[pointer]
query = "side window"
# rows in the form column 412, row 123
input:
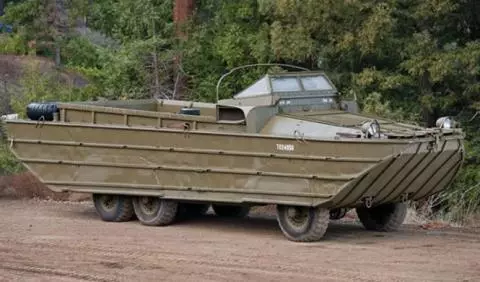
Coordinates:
column 315, row 83
column 285, row 84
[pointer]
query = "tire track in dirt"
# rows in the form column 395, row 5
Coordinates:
column 117, row 259
column 51, row 272
column 68, row 242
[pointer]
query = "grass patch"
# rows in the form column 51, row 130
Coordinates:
column 8, row 162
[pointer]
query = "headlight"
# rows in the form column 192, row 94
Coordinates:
column 371, row 128
column 445, row 122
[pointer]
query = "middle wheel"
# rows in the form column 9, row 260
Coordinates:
column 154, row 210
column 303, row 224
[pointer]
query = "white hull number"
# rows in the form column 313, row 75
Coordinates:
column 286, row 147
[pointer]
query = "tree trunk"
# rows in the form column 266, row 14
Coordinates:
column 183, row 9
column 428, row 111
column 4, row 98
column 60, row 24
column 155, row 63
column 2, row 7
column 57, row 54
column 155, row 73
column 428, row 117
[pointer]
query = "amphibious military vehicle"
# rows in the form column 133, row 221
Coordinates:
column 286, row 140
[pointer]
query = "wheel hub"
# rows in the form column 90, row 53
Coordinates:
column 149, row 205
column 297, row 215
column 108, row 202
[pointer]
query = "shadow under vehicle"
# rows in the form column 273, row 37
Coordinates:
column 286, row 140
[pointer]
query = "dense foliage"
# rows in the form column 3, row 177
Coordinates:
column 8, row 163
column 410, row 60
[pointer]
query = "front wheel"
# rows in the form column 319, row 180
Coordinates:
column 303, row 224
column 385, row 217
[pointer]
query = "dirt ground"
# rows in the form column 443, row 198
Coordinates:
column 66, row 241
column 25, row 185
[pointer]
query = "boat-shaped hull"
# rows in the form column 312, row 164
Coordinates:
column 233, row 167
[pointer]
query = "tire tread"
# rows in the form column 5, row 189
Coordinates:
column 391, row 223
column 124, row 210
column 165, row 216
column 319, row 226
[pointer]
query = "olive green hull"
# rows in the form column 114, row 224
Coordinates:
column 217, row 166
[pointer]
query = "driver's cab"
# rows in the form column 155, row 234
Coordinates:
column 291, row 92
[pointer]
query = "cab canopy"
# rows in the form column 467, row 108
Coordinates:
column 293, row 88
column 288, row 84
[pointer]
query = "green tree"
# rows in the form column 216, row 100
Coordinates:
column 142, row 66
column 222, row 36
column 405, row 59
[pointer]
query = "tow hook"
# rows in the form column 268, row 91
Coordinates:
column 405, row 197
column 368, row 201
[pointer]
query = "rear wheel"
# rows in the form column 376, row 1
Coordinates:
column 116, row 208
column 303, row 224
column 385, row 217
column 155, row 211
column 231, row 210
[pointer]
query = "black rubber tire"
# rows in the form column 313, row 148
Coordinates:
column 191, row 210
column 118, row 209
column 313, row 225
column 162, row 213
column 35, row 111
column 385, row 217
column 231, row 210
